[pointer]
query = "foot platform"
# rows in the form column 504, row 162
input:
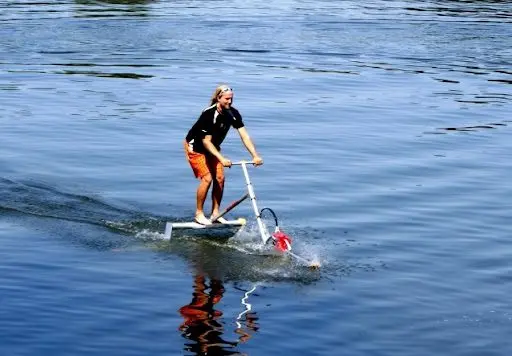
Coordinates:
column 170, row 226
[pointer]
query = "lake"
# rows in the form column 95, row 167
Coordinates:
column 385, row 130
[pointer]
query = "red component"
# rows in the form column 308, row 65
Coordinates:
column 282, row 242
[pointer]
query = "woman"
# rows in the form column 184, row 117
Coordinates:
column 202, row 147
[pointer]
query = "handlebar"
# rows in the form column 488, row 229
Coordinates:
column 239, row 163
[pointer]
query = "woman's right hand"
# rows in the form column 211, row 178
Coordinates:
column 225, row 162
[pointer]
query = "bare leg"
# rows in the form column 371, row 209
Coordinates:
column 217, row 192
column 202, row 192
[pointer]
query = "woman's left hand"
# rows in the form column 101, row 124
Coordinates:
column 257, row 160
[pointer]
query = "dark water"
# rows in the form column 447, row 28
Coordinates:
column 385, row 129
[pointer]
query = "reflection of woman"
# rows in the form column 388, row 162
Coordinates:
column 251, row 326
column 201, row 321
column 247, row 320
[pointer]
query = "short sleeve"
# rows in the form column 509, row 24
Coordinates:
column 205, row 124
column 237, row 121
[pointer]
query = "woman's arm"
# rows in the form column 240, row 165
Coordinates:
column 246, row 139
column 207, row 143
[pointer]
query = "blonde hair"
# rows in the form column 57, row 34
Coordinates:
column 218, row 91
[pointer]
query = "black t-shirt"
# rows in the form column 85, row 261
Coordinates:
column 211, row 122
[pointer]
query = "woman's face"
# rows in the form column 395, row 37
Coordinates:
column 225, row 100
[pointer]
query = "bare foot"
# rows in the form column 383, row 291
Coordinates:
column 201, row 219
column 220, row 220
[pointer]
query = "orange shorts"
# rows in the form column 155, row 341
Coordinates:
column 202, row 164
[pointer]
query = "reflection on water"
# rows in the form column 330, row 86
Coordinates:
column 202, row 320
column 491, row 125
column 247, row 320
column 111, row 8
column 82, row 8
column 106, row 75
column 119, row 2
column 475, row 8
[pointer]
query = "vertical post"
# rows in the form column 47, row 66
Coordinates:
column 263, row 232
column 168, row 231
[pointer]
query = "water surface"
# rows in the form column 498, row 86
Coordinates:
column 384, row 128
